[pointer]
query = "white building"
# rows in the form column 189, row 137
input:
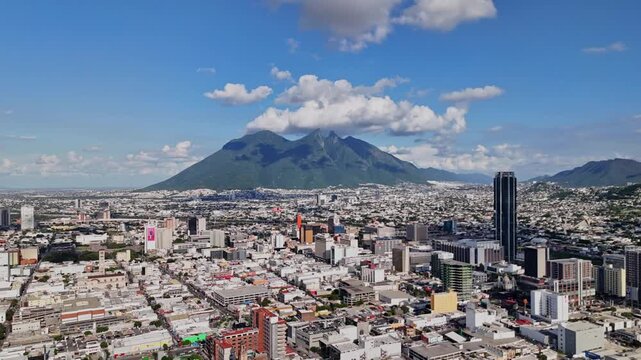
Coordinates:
column 372, row 275
column 476, row 317
column 27, row 220
column 552, row 306
column 577, row 337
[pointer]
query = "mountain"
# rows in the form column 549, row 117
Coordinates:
column 615, row 172
column 443, row 175
column 265, row 159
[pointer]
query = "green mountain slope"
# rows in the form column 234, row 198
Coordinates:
column 615, row 172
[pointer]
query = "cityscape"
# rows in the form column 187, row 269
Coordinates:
column 418, row 180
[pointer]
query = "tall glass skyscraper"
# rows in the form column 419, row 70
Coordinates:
column 505, row 213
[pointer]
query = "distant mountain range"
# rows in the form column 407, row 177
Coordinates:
column 615, row 172
column 265, row 159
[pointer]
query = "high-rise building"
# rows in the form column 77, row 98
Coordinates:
column 572, row 277
column 202, row 225
column 610, row 280
column 416, row 232
column 271, row 333
column 77, row 203
column 401, row 259
column 633, row 273
column 27, row 221
column 192, row 226
column 436, row 262
column 535, row 261
column 505, row 213
column 550, row 305
column 5, row 217
column 475, row 252
column 616, row 260
column 457, row 276
column 449, row 226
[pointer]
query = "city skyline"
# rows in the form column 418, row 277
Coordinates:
column 113, row 95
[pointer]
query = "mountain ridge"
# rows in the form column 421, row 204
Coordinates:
column 268, row 160
column 612, row 172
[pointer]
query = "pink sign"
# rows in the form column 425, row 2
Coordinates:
column 151, row 234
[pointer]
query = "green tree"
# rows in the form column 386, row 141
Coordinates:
column 137, row 324
column 104, row 345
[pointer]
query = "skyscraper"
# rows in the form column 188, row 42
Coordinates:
column 5, row 217
column 633, row 273
column 192, row 226
column 457, row 276
column 505, row 213
column 27, row 221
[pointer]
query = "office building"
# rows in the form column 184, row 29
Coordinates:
column 437, row 259
column 416, row 232
column 192, row 226
column 332, row 222
column 535, row 261
column 5, row 217
column 353, row 292
column 216, row 238
column 401, row 259
column 505, row 205
column 457, row 276
column 610, row 281
column 444, row 302
column 572, row 277
column 27, row 220
column 633, row 273
column 475, row 252
column 574, row 338
column 549, row 305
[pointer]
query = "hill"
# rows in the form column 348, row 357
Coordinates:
column 615, row 172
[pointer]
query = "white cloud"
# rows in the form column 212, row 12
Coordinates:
column 74, row 158
column 280, row 74
column 93, row 148
column 353, row 25
column 445, row 15
column 292, row 45
column 181, row 150
column 6, row 167
column 8, row 112
column 614, row 47
column 338, row 105
column 206, row 70
column 21, row 137
column 496, row 128
column 473, row 94
column 482, row 158
column 237, row 94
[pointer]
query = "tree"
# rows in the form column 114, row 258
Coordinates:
column 186, row 342
column 87, row 333
column 165, row 347
column 265, row 302
column 101, row 329
column 104, row 345
column 137, row 324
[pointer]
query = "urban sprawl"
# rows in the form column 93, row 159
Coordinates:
column 420, row 272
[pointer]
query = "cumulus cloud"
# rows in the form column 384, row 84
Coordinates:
column 6, row 167
column 237, row 94
column 473, row 94
column 614, row 47
column 445, row 15
column 481, row 158
column 280, row 74
column 355, row 24
column 338, row 105
column 181, row 150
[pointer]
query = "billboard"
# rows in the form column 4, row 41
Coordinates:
column 150, row 238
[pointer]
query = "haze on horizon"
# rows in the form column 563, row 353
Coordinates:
column 96, row 94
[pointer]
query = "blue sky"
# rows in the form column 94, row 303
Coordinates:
column 114, row 93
